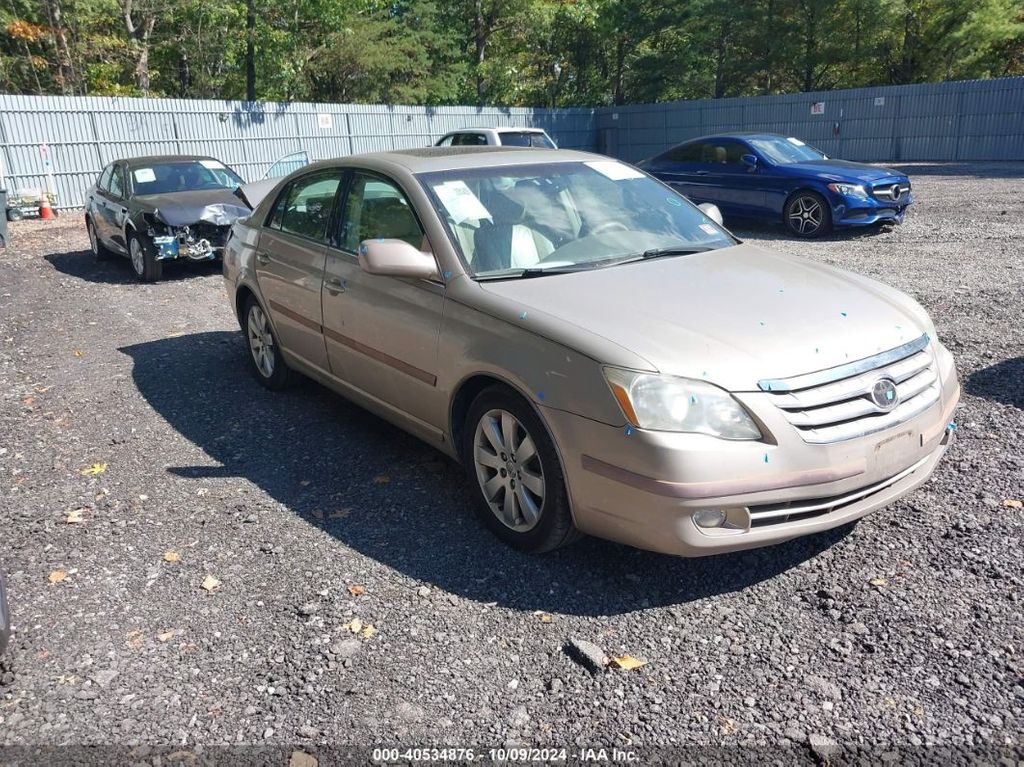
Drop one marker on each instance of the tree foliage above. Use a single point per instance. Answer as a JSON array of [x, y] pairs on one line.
[[511, 52]]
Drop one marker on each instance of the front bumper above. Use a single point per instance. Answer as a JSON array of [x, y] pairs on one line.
[[199, 243], [858, 211], [642, 488]]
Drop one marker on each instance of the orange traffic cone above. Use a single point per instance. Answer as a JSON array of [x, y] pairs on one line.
[[45, 211]]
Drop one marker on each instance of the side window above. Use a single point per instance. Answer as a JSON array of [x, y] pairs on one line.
[[470, 139], [377, 208], [685, 153], [446, 141], [305, 205], [722, 153], [117, 181], [104, 183]]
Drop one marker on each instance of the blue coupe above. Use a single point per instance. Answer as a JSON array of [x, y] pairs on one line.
[[778, 178]]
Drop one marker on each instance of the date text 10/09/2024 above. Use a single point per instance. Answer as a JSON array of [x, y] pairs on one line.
[[453, 754]]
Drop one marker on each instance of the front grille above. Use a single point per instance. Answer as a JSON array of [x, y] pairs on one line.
[[842, 403], [891, 192], [792, 511]]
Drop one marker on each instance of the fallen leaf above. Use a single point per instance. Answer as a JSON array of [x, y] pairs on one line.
[[879, 582], [28, 401], [355, 626], [79, 353], [57, 576], [1013, 503], [134, 639], [302, 759], [381, 479], [544, 617], [167, 636], [96, 468], [74, 517], [210, 583], [172, 556], [368, 631], [728, 725], [628, 662], [356, 590]]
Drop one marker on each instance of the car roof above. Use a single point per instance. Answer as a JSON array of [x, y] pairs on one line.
[[734, 134], [497, 129], [157, 159], [439, 158]]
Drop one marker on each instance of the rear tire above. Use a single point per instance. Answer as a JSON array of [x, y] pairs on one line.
[[521, 498], [15, 214], [99, 251], [265, 359], [807, 214], [144, 263]]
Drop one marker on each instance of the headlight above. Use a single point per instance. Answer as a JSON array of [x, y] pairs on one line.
[[850, 190], [668, 403]]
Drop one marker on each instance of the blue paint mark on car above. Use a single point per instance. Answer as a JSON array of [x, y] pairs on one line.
[[775, 178]]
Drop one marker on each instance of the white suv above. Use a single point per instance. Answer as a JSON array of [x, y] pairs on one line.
[[526, 137]]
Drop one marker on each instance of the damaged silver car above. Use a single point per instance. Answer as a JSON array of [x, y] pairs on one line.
[[158, 209]]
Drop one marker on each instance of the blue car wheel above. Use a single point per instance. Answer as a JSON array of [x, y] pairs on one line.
[[808, 214]]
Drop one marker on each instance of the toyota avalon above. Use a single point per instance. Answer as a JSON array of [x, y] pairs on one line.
[[600, 354]]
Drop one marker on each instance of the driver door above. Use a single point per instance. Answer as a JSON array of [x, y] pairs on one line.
[[382, 332]]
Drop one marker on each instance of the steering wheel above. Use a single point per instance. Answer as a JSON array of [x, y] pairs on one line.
[[609, 226]]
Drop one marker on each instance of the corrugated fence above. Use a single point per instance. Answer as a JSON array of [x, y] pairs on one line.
[[73, 138]]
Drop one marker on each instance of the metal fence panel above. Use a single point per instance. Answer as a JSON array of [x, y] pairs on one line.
[[973, 120]]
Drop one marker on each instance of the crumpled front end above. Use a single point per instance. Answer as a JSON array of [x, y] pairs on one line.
[[196, 233]]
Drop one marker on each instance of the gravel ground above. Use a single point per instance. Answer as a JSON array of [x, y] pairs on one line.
[[355, 599]]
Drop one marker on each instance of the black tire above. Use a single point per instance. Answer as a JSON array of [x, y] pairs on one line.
[[144, 264], [271, 371], [553, 527], [15, 214], [99, 251], [807, 214]]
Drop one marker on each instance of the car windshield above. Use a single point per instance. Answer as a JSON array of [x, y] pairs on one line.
[[785, 151], [182, 176], [526, 220], [526, 138]]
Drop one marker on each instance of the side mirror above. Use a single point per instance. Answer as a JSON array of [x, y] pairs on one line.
[[750, 160], [711, 211], [396, 258]]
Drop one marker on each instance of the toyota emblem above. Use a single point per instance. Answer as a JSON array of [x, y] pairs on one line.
[[884, 394]]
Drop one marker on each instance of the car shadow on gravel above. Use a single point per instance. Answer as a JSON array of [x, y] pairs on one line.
[[1002, 382], [762, 230], [388, 496], [117, 271]]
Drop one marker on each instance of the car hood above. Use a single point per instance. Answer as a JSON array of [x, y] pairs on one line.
[[843, 170], [219, 207], [732, 316]]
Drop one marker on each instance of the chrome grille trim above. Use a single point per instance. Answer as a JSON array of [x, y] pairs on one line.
[[836, 405], [776, 385], [783, 512]]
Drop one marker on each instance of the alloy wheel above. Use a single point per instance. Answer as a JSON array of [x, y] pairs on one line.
[[93, 242], [261, 341], [805, 215], [138, 257], [508, 469]]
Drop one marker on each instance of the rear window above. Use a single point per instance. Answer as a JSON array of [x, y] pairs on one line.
[[526, 138]]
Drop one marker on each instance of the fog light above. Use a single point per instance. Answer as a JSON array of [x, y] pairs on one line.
[[709, 518]]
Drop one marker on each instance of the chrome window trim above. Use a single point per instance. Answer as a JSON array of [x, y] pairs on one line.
[[783, 385]]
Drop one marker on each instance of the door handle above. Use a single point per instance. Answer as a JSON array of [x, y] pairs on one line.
[[335, 285], [702, 173], [124, 211], [262, 258]]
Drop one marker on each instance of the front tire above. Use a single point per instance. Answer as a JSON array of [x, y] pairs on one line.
[[265, 358], [513, 464], [807, 214], [99, 251], [144, 263]]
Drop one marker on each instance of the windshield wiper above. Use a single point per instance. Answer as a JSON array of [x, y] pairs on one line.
[[532, 272], [673, 251]]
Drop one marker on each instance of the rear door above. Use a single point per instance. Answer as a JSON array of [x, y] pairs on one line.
[[115, 208], [96, 203], [381, 332], [290, 261]]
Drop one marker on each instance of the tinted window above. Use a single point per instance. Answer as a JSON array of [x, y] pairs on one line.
[[469, 139], [684, 153], [526, 138], [104, 182], [377, 208], [446, 141], [117, 181], [305, 206]]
